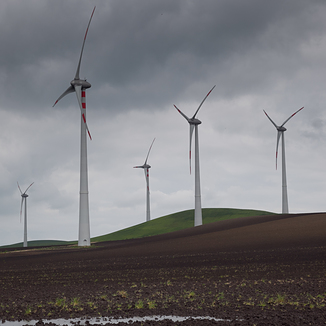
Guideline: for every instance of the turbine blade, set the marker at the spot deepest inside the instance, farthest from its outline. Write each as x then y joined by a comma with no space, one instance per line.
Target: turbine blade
28,187
191,132
70,89
21,209
78,90
271,120
291,117
149,151
81,53
279,133
182,113
138,167
203,102
19,188
147,178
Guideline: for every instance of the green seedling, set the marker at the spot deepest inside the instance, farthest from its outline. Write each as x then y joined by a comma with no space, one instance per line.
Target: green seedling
151,304
280,299
122,294
28,311
60,302
139,304
75,302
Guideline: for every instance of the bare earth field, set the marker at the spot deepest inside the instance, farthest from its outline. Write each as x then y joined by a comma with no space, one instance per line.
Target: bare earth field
268,270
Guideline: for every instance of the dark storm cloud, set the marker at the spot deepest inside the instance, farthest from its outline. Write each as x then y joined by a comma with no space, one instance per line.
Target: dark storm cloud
141,53
173,45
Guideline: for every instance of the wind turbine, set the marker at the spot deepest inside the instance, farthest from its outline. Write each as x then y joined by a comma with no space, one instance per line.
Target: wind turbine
193,123
79,86
146,168
280,133
24,199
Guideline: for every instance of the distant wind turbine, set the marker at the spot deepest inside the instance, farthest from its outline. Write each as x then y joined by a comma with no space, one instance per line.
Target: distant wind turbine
24,200
280,133
193,123
79,86
146,168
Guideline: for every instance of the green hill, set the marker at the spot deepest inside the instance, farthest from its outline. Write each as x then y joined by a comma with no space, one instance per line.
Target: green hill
177,221
164,224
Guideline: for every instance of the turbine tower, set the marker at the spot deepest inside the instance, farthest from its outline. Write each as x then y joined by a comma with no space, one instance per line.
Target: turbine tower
280,133
146,168
79,86
24,199
193,123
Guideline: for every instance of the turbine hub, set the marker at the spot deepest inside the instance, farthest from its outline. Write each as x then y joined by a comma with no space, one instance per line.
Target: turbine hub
281,128
194,121
146,166
24,195
80,82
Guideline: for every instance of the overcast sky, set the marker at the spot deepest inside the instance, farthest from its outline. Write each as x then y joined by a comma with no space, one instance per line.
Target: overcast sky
141,57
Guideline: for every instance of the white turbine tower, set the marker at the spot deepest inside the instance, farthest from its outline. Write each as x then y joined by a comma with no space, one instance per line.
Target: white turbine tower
193,123
146,168
24,200
79,86
280,133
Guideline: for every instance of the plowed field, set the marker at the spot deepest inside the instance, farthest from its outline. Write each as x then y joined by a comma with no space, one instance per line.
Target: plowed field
268,270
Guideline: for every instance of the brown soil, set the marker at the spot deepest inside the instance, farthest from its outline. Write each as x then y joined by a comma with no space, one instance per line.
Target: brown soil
268,270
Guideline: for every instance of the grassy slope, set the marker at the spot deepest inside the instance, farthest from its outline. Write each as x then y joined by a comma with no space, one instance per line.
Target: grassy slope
164,224
178,221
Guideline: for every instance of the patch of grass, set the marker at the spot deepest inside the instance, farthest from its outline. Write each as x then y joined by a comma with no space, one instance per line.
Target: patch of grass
139,304
75,302
28,311
151,304
280,299
60,302
220,296
122,294
92,305
190,295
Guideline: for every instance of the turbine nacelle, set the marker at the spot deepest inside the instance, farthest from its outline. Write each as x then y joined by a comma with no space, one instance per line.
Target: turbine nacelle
194,121
145,166
281,128
80,82
24,195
